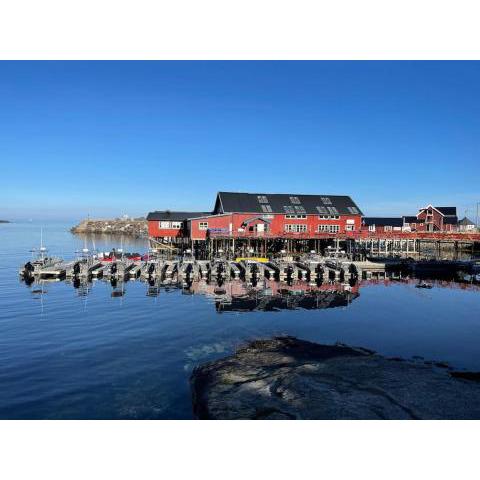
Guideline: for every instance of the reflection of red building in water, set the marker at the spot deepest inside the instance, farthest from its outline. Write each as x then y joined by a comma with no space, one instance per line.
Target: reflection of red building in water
236,295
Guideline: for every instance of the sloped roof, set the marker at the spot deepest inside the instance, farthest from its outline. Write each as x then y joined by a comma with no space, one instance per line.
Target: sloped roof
285,203
450,220
466,221
410,219
383,221
447,210
167,215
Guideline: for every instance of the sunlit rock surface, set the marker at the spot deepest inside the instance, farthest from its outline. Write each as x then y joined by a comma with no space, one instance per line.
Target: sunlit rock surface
287,378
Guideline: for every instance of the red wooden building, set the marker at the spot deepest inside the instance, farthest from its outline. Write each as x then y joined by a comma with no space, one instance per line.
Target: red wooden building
382,224
168,226
264,215
434,219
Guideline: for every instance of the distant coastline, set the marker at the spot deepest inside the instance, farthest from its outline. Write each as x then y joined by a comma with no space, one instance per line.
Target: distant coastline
4,221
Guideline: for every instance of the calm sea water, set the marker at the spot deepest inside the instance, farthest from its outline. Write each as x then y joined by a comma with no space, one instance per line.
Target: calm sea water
81,353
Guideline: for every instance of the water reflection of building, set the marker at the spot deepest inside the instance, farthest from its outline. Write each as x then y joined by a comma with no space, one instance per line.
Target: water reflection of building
264,295
268,295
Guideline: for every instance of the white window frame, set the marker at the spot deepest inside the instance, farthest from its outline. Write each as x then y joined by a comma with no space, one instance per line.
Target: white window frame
296,227
177,225
329,217
371,228
164,225
296,217
203,225
350,228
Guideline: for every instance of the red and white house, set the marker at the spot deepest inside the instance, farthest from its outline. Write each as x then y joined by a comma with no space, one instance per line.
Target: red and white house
170,226
434,219
257,215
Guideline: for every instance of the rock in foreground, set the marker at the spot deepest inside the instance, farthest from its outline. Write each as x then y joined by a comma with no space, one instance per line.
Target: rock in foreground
287,378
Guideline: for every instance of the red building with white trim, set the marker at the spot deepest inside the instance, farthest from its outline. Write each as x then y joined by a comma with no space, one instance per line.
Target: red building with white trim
168,226
262,215
433,219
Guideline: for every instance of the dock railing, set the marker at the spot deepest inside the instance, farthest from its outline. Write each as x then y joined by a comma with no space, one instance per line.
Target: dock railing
359,235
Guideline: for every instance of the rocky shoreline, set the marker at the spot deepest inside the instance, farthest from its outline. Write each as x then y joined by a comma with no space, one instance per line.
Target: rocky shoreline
131,227
288,378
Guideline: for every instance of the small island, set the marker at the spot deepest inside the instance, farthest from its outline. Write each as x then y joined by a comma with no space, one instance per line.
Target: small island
134,227
4,221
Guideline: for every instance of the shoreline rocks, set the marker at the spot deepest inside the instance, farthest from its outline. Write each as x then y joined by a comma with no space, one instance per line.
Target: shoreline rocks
130,227
287,378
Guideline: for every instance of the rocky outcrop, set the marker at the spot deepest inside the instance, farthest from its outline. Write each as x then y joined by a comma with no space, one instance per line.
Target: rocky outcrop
130,227
287,378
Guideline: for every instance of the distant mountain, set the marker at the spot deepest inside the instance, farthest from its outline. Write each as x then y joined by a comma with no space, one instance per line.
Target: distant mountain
4,221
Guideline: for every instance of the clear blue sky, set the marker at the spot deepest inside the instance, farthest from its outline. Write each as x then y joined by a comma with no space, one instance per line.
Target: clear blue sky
108,138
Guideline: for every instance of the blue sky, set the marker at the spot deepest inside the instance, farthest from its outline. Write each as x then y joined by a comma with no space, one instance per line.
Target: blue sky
108,138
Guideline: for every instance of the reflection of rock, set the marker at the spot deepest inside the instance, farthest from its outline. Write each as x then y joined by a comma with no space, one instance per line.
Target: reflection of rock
286,378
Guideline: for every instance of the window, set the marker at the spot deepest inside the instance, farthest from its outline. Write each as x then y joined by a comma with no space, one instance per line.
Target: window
322,210
300,209
296,216
329,228
326,201
296,228
353,210
266,208
289,209
328,217
164,225
203,226
177,225
262,199
350,228
333,210
295,200
387,228
371,228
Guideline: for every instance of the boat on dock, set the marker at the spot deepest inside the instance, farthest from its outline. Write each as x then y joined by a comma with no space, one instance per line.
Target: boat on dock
135,269
235,270
42,265
221,268
118,269
84,265
204,268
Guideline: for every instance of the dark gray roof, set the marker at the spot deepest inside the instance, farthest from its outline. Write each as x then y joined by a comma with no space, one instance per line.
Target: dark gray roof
383,221
410,219
466,221
174,216
285,203
447,210
450,219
